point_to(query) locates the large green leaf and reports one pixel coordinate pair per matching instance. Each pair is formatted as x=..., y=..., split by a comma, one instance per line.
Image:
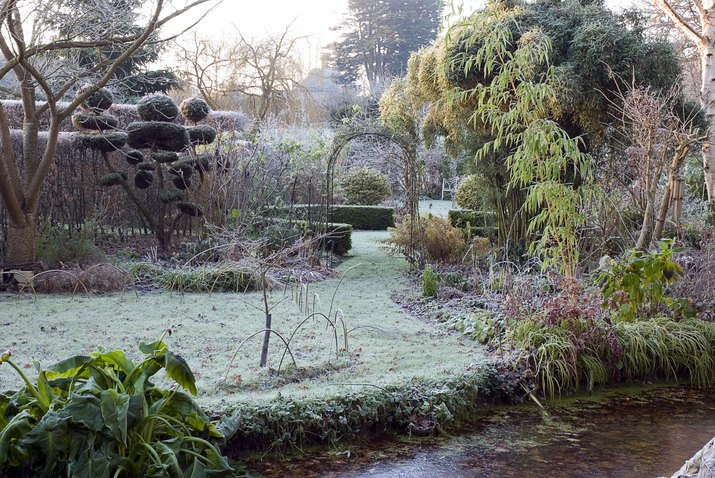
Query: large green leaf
x=19, y=426
x=196, y=470
x=115, y=411
x=178, y=404
x=90, y=464
x=178, y=370
x=168, y=457
x=4, y=402
x=43, y=389
x=154, y=347
x=117, y=359
x=85, y=409
x=137, y=381
x=49, y=439
x=69, y=367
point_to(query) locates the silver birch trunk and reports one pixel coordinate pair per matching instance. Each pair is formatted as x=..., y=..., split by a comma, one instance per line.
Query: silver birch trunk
x=707, y=94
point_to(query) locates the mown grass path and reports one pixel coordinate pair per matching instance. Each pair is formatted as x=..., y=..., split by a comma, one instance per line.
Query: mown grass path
x=385, y=344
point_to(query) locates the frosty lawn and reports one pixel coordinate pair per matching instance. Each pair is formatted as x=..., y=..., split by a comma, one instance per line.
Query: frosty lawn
x=386, y=345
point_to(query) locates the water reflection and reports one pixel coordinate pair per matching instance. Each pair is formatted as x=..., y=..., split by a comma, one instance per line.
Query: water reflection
x=621, y=435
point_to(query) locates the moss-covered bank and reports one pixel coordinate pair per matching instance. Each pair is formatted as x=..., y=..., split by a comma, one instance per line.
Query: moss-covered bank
x=419, y=406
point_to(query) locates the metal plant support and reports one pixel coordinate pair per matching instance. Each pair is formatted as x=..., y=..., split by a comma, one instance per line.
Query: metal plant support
x=410, y=172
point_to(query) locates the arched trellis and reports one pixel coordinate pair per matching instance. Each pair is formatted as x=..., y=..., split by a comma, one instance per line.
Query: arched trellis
x=410, y=171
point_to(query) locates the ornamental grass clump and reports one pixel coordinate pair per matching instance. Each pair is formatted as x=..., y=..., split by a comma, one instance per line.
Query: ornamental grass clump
x=572, y=344
x=433, y=239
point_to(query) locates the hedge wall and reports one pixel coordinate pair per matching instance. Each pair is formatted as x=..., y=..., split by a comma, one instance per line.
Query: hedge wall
x=338, y=239
x=478, y=223
x=365, y=218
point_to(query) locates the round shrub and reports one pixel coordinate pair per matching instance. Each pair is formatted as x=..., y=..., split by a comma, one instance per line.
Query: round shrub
x=157, y=108
x=157, y=134
x=470, y=193
x=165, y=156
x=94, y=122
x=112, y=179
x=100, y=101
x=181, y=183
x=146, y=167
x=365, y=186
x=189, y=209
x=134, y=156
x=143, y=179
x=182, y=169
x=201, y=134
x=103, y=142
x=202, y=162
x=194, y=109
x=171, y=195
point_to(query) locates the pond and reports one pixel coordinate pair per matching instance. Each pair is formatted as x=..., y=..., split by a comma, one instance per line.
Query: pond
x=617, y=433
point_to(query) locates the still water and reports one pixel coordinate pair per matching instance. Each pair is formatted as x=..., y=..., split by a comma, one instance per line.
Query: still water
x=619, y=433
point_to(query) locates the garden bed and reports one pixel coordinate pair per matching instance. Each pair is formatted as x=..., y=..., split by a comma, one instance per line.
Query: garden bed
x=387, y=349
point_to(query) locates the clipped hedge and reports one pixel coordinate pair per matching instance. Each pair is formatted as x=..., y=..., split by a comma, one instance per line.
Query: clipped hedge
x=363, y=218
x=338, y=236
x=366, y=218
x=477, y=223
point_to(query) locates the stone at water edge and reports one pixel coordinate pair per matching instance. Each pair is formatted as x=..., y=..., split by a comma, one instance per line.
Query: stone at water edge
x=701, y=465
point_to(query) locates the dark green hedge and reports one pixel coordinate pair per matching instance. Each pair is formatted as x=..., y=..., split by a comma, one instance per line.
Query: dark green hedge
x=338, y=236
x=365, y=218
x=478, y=223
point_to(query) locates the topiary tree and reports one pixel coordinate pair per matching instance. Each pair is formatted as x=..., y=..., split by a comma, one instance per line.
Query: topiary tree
x=41, y=43
x=365, y=186
x=470, y=193
x=163, y=154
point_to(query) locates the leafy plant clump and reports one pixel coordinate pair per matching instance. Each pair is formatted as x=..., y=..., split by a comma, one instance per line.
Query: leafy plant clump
x=99, y=415
x=430, y=282
x=366, y=187
x=58, y=246
x=637, y=286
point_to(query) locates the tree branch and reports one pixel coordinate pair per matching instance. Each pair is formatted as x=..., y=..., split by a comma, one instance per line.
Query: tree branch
x=680, y=22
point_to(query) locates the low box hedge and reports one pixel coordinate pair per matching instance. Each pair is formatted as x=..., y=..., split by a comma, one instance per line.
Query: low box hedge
x=365, y=218
x=477, y=223
x=338, y=236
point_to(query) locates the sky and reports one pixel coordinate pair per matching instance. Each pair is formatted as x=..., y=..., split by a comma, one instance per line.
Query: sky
x=312, y=19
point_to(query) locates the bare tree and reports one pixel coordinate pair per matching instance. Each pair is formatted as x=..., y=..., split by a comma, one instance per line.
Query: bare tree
x=39, y=39
x=696, y=20
x=657, y=139
x=210, y=66
x=264, y=72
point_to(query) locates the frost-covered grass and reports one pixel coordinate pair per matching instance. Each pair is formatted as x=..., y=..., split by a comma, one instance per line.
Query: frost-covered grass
x=386, y=346
x=436, y=207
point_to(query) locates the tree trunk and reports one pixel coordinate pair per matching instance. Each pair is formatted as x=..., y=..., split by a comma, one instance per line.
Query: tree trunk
x=21, y=242
x=647, y=226
x=672, y=192
x=707, y=95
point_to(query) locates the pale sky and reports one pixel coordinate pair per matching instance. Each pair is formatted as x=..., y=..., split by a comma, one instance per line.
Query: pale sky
x=312, y=19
